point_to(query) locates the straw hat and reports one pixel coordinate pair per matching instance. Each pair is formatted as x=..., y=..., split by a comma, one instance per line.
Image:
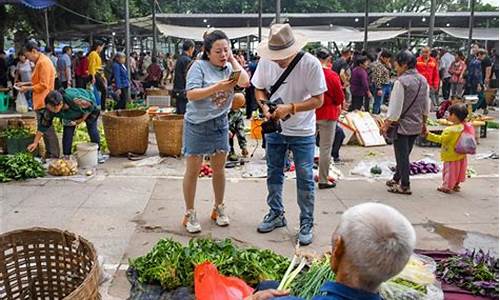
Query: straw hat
x=281, y=43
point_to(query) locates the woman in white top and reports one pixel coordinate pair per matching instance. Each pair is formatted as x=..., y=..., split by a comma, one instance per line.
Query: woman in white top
x=24, y=70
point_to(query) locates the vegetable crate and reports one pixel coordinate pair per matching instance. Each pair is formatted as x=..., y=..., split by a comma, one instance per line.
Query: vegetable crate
x=40, y=263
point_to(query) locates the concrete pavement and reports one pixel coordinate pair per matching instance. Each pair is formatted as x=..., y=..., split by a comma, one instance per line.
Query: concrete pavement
x=124, y=210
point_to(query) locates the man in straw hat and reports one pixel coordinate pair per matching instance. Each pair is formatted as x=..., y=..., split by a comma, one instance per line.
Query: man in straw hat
x=299, y=94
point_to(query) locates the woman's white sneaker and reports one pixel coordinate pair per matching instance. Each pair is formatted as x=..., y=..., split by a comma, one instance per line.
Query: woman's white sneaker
x=191, y=222
x=219, y=216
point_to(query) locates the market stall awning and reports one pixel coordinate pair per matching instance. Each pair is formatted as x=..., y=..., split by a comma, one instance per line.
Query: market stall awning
x=35, y=4
x=482, y=34
x=313, y=33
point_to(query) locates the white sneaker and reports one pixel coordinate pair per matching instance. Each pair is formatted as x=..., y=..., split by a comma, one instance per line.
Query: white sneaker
x=219, y=216
x=191, y=222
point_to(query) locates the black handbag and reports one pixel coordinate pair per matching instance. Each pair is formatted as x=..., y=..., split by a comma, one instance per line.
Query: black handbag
x=392, y=132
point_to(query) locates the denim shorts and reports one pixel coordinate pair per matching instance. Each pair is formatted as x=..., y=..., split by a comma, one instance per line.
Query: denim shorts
x=207, y=138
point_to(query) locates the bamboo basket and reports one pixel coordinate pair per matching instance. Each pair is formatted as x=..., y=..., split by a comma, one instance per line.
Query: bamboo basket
x=40, y=263
x=168, y=131
x=126, y=131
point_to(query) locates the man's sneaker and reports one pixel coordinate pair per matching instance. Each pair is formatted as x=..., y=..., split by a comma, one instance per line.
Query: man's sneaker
x=191, y=222
x=101, y=158
x=219, y=216
x=306, y=234
x=272, y=221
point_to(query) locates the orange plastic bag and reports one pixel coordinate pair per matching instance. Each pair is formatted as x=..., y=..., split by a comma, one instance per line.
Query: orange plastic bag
x=210, y=285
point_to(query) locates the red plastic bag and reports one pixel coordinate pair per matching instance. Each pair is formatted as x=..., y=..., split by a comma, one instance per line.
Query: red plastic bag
x=210, y=285
x=466, y=144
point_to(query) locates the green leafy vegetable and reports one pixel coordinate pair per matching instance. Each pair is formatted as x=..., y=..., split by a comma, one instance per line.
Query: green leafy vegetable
x=16, y=133
x=309, y=283
x=472, y=270
x=172, y=265
x=20, y=166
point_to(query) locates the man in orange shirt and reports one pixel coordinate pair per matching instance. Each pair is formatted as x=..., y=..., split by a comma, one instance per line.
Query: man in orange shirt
x=42, y=82
x=429, y=68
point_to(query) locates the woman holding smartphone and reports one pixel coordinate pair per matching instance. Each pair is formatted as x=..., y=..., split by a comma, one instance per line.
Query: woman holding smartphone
x=210, y=91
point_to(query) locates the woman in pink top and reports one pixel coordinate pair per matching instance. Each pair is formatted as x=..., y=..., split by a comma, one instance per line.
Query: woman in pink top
x=457, y=80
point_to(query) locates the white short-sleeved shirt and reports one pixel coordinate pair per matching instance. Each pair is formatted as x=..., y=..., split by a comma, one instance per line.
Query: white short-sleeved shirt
x=306, y=79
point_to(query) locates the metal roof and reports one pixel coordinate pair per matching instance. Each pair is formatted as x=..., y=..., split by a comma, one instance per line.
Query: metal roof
x=398, y=20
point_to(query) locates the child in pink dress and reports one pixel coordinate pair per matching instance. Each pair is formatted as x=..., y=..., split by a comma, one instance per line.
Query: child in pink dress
x=454, y=164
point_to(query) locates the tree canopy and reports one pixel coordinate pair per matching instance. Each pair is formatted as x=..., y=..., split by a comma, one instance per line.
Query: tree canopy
x=16, y=20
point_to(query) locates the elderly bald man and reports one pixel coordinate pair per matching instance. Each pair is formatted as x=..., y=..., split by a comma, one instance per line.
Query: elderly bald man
x=372, y=244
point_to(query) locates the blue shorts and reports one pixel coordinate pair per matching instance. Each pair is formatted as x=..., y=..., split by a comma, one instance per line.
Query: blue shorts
x=207, y=138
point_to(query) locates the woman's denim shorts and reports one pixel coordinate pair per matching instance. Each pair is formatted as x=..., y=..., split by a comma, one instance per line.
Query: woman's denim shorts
x=206, y=138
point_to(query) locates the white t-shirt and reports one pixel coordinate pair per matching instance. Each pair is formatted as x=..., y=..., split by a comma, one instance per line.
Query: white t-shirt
x=306, y=79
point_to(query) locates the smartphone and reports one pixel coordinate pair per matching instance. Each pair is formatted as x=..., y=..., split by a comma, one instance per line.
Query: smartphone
x=235, y=75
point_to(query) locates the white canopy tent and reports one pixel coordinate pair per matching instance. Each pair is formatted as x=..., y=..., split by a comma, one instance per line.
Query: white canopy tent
x=482, y=34
x=313, y=34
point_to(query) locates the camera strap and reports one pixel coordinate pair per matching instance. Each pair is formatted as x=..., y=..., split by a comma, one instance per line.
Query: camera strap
x=285, y=74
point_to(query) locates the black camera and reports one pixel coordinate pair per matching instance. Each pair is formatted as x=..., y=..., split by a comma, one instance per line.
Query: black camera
x=271, y=126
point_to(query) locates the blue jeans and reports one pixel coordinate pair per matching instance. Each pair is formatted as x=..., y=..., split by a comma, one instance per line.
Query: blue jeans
x=303, y=155
x=69, y=132
x=386, y=92
x=29, y=98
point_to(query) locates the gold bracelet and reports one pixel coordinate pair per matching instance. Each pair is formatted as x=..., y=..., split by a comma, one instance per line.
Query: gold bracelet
x=294, y=109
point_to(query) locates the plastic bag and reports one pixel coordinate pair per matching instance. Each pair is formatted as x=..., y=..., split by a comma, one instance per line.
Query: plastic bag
x=363, y=168
x=63, y=167
x=394, y=291
x=21, y=103
x=210, y=285
x=466, y=144
x=420, y=270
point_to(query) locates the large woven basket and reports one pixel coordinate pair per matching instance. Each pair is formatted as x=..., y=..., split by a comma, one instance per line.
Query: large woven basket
x=126, y=131
x=40, y=263
x=168, y=131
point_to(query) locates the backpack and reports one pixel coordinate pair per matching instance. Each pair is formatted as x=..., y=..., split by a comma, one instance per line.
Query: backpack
x=466, y=143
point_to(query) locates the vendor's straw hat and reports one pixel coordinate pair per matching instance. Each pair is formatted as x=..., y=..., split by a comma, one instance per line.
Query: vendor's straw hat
x=281, y=43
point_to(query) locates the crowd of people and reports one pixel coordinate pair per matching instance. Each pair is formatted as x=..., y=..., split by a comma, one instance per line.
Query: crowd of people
x=301, y=96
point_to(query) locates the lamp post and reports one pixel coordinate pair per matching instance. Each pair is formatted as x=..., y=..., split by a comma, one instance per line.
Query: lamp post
x=278, y=11
x=154, y=28
x=471, y=23
x=365, y=41
x=431, y=23
x=260, y=21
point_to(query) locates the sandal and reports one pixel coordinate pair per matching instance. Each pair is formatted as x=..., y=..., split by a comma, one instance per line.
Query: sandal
x=444, y=190
x=391, y=183
x=397, y=189
x=456, y=189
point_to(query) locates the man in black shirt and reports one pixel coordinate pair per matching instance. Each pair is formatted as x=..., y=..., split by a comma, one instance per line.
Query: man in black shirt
x=342, y=68
x=181, y=68
x=3, y=69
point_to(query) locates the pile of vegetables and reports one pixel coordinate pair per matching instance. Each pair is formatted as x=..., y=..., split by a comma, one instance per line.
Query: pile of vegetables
x=171, y=265
x=422, y=167
x=309, y=283
x=472, y=270
x=16, y=133
x=63, y=167
x=206, y=171
x=20, y=166
x=415, y=282
x=376, y=170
